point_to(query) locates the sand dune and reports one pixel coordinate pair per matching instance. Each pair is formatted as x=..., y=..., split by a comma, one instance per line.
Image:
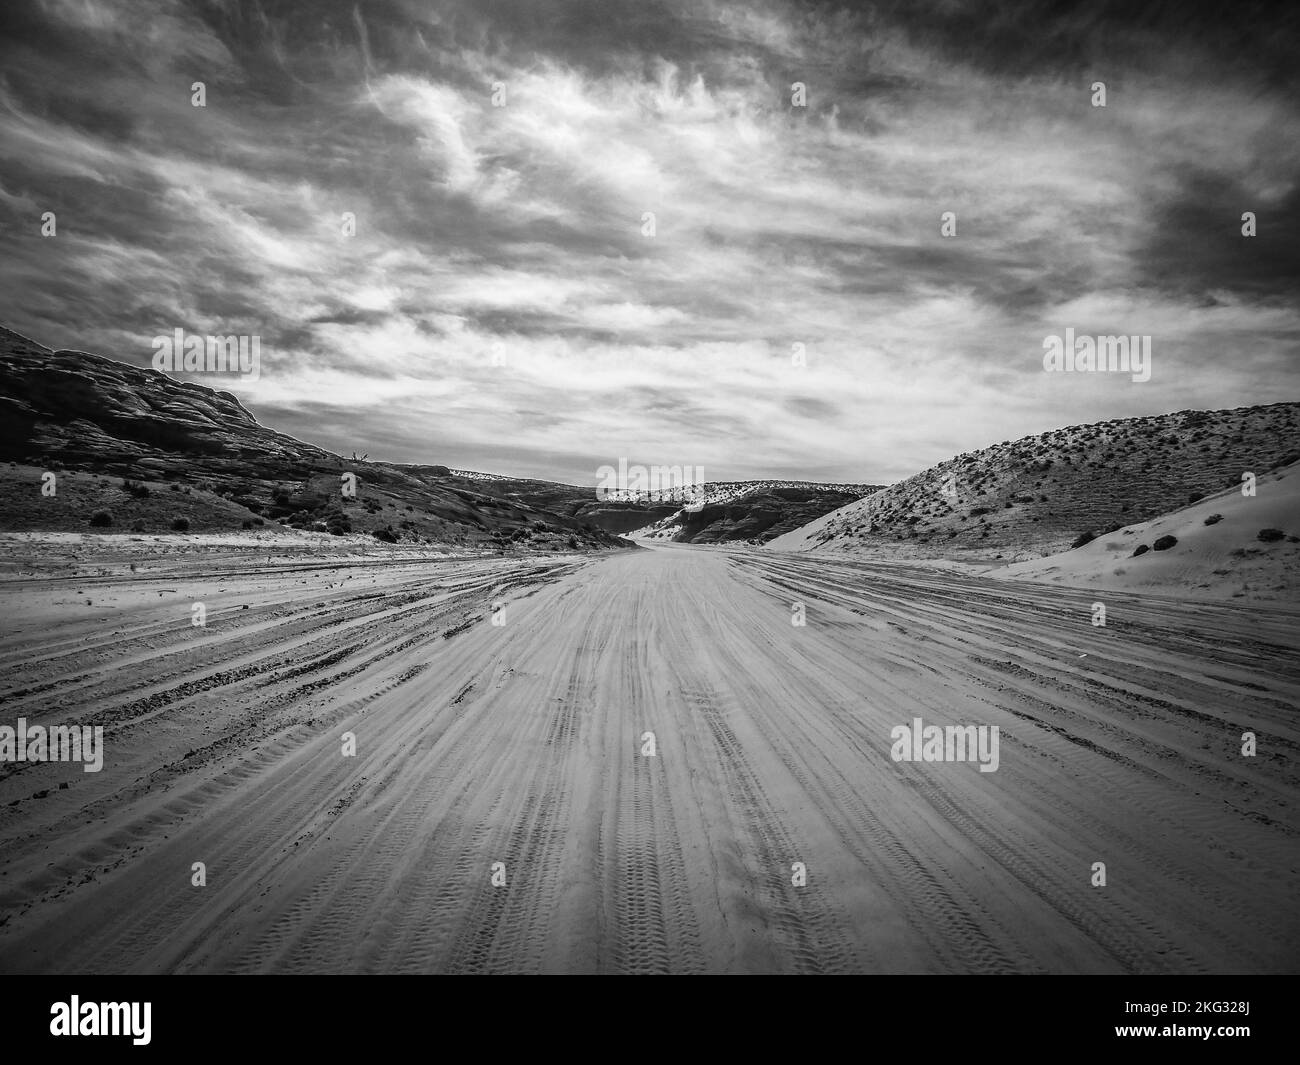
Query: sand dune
x=520, y=743
x=1223, y=559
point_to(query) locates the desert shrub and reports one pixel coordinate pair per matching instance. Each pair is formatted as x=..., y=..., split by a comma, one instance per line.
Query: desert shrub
x=1195, y=497
x=135, y=488
x=573, y=543
x=175, y=487
x=137, y=525
x=1141, y=549
x=247, y=523
x=977, y=511
x=1083, y=538
x=180, y=524
x=1214, y=519
x=101, y=519
x=1165, y=543
x=386, y=535
x=1270, y=536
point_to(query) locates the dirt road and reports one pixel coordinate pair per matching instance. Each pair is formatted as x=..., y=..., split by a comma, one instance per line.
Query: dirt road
x=522, y=742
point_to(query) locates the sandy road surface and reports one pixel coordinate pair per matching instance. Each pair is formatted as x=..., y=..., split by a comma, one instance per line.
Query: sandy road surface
x=520, y=743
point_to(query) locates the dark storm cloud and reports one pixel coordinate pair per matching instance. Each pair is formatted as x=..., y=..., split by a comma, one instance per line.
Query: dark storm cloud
x=1016, y=38
x=1197, y=248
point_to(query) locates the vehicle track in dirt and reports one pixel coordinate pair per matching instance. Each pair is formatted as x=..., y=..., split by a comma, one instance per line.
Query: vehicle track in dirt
x=500, y=708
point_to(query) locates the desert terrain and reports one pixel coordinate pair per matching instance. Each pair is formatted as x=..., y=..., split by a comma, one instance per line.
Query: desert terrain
x=521, y=742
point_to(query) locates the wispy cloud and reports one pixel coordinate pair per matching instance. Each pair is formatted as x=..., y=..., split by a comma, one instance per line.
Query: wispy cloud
x=501, y=304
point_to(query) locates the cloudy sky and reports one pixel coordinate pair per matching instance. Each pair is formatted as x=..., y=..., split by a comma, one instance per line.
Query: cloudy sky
x=501, y=306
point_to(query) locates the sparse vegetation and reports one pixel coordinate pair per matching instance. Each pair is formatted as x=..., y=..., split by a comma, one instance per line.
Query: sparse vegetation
x=1107, y=476
x=1270, y=536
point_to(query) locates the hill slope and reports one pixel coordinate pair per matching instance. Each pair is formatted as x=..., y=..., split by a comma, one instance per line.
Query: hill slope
x=1037, y=495
x=753, y=511
x=190, y=453
x=1223, y=548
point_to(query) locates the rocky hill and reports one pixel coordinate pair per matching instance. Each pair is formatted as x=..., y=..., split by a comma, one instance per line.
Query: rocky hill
x=752, y=511
x=132, y=449
x=581, y=504
x=1043, y=494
